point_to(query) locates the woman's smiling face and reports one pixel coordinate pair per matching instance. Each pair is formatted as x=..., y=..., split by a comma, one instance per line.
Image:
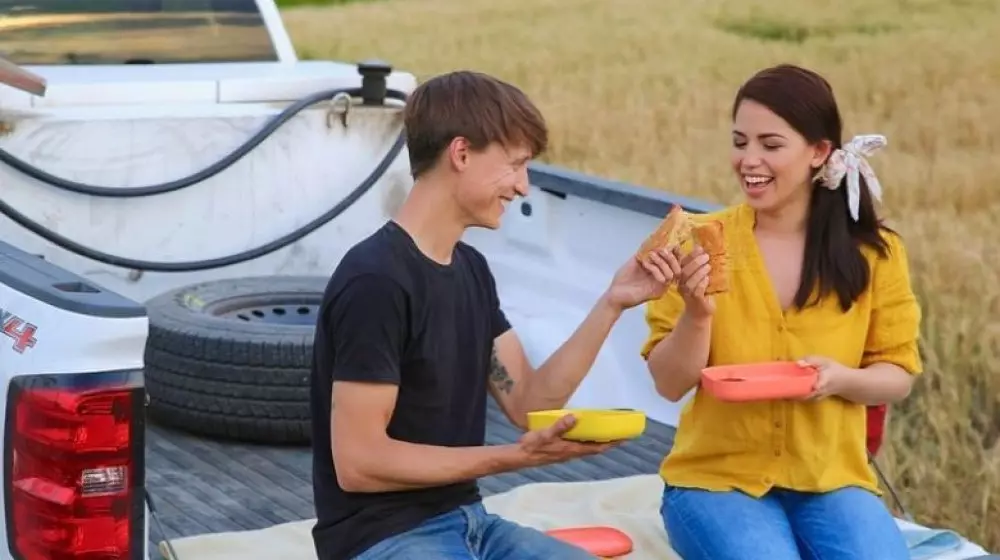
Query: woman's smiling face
x=773, y=162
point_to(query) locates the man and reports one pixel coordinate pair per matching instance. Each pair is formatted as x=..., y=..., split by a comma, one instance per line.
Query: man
x=411, y=337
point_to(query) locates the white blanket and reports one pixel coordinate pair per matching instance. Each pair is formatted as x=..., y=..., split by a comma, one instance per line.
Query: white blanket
x=630, y=504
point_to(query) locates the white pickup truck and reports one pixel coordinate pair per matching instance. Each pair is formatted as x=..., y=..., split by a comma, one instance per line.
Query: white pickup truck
x=178, y=154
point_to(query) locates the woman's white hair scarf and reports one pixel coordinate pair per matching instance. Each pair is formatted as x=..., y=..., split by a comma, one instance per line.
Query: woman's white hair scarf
x=851, y=161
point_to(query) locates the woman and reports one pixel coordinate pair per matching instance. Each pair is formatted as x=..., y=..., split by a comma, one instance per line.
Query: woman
x=814, y=277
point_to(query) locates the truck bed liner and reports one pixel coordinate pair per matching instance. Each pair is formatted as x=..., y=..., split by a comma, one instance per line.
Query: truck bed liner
x=203, y=486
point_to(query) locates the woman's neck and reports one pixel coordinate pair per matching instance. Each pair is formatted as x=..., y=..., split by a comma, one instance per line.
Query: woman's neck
x=786, y=220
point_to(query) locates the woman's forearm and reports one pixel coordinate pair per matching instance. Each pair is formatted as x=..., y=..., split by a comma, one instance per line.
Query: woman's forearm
x=880, y=383
x=676, y=362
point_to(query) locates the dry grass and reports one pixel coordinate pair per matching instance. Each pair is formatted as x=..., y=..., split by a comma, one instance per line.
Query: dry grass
x=639, y=90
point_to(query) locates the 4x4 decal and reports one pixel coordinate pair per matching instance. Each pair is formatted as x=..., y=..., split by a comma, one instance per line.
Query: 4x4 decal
x=18, y=330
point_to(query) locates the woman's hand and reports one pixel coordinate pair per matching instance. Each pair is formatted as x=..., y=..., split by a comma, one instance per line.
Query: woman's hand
x=692, y=283
x=879, y=383
x=833, y=378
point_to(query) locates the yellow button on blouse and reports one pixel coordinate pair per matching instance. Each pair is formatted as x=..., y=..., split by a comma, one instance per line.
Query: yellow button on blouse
x=809, y=446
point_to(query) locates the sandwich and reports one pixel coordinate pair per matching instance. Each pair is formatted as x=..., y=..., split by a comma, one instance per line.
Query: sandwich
x=674, y=230
x=710, y=236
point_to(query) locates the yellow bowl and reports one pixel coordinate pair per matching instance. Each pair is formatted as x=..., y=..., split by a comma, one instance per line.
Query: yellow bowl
x=593, y=425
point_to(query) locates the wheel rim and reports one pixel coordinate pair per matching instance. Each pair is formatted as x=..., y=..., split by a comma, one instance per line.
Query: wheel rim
x=270, y=309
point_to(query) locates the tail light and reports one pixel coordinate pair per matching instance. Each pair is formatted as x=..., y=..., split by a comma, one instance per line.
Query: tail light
x=75, y=466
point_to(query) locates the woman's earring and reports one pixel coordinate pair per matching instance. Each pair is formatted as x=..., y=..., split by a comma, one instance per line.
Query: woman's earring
x=818, y=175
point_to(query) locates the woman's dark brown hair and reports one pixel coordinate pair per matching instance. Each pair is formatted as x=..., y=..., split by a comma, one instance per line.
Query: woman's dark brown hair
x=833, y=262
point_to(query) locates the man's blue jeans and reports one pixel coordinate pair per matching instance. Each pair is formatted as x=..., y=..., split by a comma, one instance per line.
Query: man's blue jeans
x=470, y=533
x=846, y=524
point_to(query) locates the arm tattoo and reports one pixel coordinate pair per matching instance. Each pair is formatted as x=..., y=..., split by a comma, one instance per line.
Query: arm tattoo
x=498, y=374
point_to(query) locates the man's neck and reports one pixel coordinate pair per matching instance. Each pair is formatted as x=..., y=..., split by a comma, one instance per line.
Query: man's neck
x=432, y=219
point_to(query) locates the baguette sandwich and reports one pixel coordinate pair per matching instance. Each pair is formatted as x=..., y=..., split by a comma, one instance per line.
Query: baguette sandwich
x=674, y=230
x=711, y=237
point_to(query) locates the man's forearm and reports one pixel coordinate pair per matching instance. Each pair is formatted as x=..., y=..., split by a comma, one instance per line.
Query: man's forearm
x=880, y=383
x=554, y=382
x=392, y=465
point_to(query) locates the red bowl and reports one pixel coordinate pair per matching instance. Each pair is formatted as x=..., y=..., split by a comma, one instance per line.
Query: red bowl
x=603, y=542
x=759, y=381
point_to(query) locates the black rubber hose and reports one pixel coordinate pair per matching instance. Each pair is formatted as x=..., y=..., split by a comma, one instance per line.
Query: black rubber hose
x=210, y=171
x=219, y=262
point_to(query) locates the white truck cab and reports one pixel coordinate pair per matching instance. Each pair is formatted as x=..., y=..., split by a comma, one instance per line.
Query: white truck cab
x=114, y=32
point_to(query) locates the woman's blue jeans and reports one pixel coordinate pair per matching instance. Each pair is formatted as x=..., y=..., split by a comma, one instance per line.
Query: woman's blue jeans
x=846, y=524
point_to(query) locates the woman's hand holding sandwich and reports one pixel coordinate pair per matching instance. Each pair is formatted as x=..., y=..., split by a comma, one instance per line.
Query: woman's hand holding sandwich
x=692, y=283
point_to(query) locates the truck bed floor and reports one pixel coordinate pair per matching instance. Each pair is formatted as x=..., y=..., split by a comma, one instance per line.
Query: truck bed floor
x=204, y=486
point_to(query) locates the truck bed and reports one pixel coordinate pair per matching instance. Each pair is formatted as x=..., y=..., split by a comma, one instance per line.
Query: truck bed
x=203, y=486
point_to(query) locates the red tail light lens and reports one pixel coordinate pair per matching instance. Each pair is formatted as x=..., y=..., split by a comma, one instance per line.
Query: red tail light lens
x=74, y=473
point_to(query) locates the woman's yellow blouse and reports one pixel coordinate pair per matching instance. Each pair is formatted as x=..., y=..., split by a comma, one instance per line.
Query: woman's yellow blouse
x=810, y=446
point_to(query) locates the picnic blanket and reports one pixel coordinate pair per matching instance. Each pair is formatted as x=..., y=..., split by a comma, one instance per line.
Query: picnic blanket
x=630, y=504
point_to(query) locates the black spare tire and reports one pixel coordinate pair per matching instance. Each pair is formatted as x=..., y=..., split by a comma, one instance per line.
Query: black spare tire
x=230, y=358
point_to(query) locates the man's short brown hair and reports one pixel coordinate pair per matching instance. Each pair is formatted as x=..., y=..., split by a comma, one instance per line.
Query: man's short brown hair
x=474, y=106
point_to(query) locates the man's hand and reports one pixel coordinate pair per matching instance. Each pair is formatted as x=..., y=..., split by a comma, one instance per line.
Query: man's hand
x=545, y=447
x=637, y=283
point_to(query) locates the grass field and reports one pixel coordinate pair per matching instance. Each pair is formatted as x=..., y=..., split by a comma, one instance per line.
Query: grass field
x=639, y=90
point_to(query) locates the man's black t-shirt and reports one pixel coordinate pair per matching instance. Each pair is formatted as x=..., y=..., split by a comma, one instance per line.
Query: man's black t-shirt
x=392, y=315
